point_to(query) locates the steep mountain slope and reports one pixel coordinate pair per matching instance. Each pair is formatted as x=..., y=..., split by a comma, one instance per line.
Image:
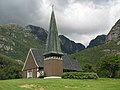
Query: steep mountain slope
x=38, y=32
x=67, y=45
x=15, y=41
x=114, y=34
x=93, y=55
x=100, y=39
x=70, y=46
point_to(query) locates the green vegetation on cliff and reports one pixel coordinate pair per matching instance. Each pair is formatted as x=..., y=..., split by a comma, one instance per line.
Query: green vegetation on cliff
x=15, y=41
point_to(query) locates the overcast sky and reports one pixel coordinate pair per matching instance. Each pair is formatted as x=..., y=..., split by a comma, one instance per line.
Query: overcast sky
x=79, y=20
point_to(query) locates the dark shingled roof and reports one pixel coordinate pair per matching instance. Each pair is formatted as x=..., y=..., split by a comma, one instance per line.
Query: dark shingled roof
x=68, y=63
x=38, y=56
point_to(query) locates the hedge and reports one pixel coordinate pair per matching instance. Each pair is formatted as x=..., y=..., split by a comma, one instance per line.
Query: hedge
x=79, y=75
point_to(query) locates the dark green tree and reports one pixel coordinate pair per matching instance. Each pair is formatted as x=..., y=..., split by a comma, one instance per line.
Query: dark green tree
x=109, y=65
x=9, y=68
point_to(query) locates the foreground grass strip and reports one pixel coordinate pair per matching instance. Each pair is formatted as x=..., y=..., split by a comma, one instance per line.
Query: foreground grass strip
x=60, y=84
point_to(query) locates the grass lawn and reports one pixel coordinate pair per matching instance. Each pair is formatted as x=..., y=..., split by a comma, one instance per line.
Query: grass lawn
x=60, y=84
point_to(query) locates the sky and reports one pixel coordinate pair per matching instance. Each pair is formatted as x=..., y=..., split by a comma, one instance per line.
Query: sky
x=79, y=20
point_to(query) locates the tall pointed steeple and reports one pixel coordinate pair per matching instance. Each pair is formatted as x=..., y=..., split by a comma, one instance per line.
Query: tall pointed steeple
x=53, y=42
x=53, y=62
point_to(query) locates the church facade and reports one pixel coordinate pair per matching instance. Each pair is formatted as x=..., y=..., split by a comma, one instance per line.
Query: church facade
x=51, y=62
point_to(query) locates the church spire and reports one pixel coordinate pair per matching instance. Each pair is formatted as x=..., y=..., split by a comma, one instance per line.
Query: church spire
x=53, y=7
x=53, y=42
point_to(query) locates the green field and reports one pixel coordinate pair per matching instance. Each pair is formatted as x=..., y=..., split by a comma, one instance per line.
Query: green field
x=60, y=84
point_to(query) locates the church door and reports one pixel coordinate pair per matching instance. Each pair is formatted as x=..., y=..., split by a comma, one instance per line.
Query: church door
x=29, y=73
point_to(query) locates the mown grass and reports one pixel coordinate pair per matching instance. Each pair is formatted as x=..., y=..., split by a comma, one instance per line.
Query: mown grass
x=60, y=84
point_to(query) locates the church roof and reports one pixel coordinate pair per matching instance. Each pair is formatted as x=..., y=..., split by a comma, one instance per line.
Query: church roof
x=53, y=42
x=68, y=64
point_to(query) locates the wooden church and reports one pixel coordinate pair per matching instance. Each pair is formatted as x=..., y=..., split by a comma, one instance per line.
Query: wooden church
x=52, y=62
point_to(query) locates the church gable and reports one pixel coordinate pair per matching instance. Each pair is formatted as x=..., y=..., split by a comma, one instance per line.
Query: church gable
x=30, y=62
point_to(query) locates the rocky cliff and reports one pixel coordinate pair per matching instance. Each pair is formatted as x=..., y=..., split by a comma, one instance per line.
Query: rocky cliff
x=39, y=32
x=15, y=41
x=114, y=34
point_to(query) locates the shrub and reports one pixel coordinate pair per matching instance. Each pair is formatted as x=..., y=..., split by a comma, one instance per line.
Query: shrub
x=79, y=75
x=9, y=68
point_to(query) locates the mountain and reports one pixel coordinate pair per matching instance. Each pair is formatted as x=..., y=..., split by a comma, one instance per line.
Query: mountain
x=39, y=32
x=67, y=45
x=70, y=46
x=114, y=34
x=111, y=46
x=92, y=55
x=15, y=41
x=100, y=39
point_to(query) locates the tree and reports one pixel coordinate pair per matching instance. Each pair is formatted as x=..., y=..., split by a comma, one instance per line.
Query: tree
x=88, y=68
x=9, y=68
x=110, y=64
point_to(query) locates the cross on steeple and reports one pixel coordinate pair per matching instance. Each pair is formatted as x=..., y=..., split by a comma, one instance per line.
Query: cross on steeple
x=53, y=7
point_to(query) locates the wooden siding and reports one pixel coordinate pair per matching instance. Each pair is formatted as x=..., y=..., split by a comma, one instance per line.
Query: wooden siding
x=53, y=67
x=30, y=63
x=24, y=74
x=35, y=73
